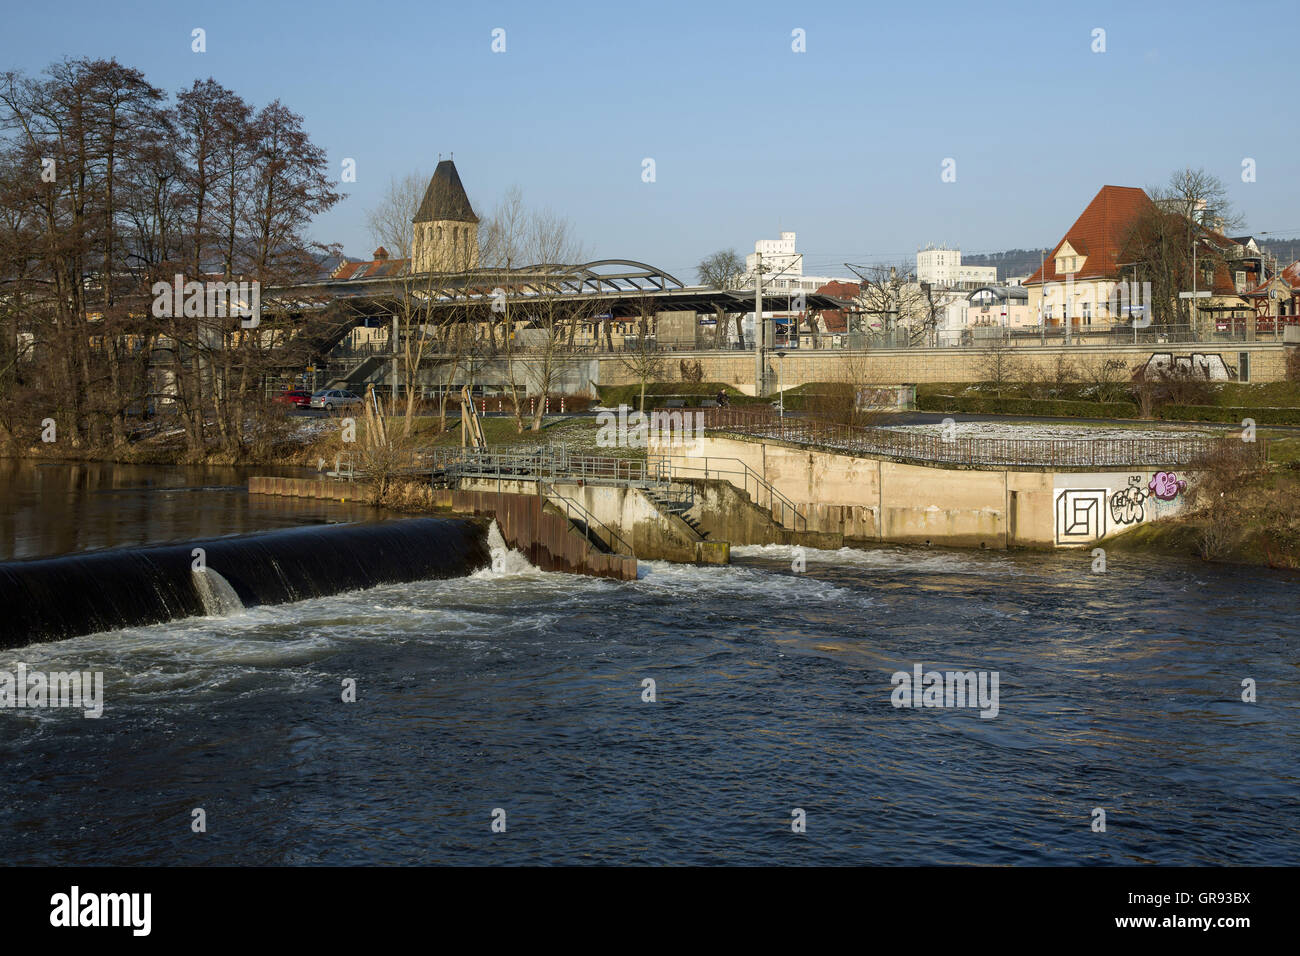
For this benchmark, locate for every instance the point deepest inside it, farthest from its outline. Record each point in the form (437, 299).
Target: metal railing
(1183, 451)
(666, 497)
(556, 463)
(590, 523)
(553, 463)
(783, 510)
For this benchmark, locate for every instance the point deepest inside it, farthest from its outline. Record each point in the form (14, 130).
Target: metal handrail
(553, 463)
(588, 519)
(775, 497)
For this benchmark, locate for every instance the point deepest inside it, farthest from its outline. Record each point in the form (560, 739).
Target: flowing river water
(509, 689)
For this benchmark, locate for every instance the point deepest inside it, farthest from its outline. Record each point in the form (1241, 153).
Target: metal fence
(739, 474)
(1182, 452)
(554, 463)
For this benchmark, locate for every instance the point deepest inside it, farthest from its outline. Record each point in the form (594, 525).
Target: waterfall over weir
(74, 594)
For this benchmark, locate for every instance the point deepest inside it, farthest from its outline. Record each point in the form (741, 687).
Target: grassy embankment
(1271, 403)
(1253, 519)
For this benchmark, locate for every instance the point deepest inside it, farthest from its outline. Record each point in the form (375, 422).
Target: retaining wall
(876, 499)
(548, 540)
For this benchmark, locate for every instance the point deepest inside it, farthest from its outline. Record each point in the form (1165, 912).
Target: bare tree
(999, 367)
(138, 193)
(890, 298)
(724, 269)
(1200, 198)
(644, 360)
(390, 220)
(537, 322)
(1106, 380)
(1183, 227)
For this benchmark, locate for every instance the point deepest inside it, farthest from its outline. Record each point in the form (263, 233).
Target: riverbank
(1260, 527)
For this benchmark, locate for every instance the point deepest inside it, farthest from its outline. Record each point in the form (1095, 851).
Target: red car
(294, 397)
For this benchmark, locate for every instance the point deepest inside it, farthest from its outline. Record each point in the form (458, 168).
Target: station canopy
(618, 287)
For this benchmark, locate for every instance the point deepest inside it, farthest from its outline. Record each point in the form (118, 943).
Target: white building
(783, 267)
(782, 274)
(941, 266)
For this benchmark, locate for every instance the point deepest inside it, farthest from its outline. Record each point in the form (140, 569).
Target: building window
(1087, 313)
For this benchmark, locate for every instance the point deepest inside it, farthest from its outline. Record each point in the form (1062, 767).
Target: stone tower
(446, 229)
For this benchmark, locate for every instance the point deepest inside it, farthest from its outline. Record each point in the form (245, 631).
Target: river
(509, 689)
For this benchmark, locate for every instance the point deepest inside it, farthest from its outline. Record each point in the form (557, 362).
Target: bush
(1232, 415)
(611, 396)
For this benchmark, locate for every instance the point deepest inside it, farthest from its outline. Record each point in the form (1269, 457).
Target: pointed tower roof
(445, 199)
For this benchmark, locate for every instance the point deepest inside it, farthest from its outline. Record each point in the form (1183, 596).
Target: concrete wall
(725, 512)
(651, 534)
(546, 539)
(579, 374)
(1088, 506)
(881, 500)
(899, 366)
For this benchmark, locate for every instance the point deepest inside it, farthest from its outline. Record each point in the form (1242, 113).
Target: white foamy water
(886, 559)
(737, 583)
(218, 597)
(505, 562)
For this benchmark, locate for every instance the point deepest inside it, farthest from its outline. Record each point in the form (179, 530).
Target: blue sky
(843, 143)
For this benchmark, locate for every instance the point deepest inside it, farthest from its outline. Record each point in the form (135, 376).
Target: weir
(550, 539)
(55, 598)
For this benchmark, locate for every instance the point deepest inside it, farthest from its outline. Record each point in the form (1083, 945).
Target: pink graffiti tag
(1166, 485)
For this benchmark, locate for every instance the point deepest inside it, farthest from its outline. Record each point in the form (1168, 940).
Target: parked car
(331, 398)
(294, 397)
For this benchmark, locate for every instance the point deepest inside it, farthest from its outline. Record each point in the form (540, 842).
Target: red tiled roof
(1291, 275)
(1223, 283)
(841, 290)
(835, 320)
(1098, 234)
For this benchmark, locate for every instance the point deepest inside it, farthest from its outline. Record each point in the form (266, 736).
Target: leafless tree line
(107, 187)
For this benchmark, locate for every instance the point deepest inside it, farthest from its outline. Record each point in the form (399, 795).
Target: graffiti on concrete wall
(1082, 514)
(1126, 504)
(1166, 485)
(1205, 365)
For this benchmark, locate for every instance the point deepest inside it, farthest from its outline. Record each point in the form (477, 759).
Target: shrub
(1231, 415)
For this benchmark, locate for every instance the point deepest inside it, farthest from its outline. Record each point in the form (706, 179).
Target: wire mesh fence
(1182, 451)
